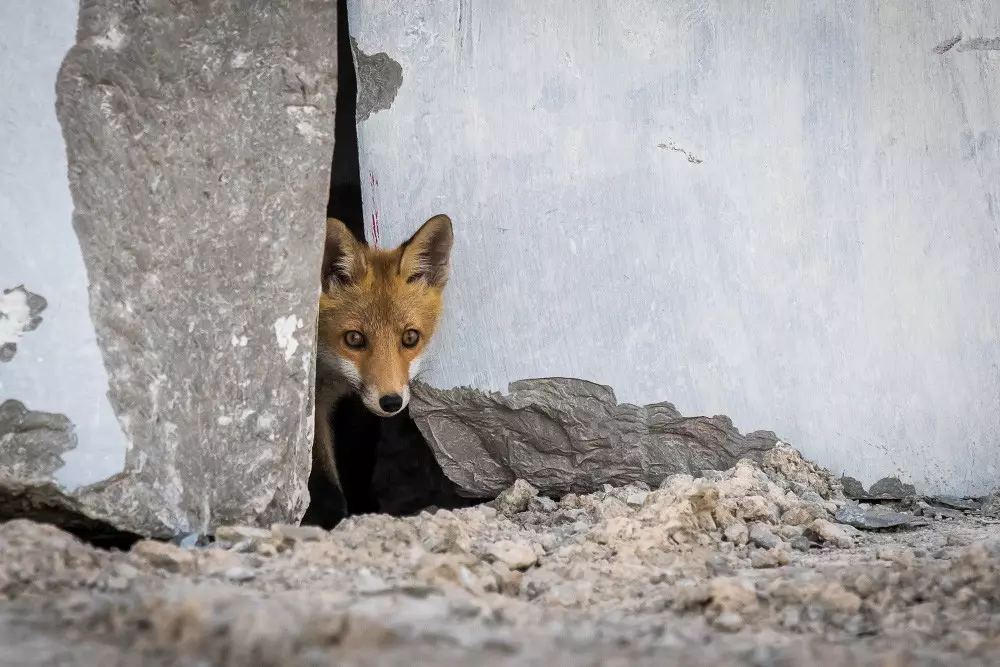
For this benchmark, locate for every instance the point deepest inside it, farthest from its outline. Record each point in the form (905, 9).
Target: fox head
(379, 309)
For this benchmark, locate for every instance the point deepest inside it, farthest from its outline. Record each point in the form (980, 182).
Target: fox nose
(391, 402)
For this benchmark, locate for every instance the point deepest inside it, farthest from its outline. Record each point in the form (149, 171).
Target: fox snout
(385, 403)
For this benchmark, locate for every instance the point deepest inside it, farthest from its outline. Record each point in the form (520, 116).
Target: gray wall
(57, 366)
(787, 213)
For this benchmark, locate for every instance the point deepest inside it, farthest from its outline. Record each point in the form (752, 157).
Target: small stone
(719, 566)
(514, 499)
(290, 533)
(797, 516)
(165, 556)
(239, 574)
(865, 585)
(612, 508)
(762, 537)
(515, 555)
(728, 621)
(789, 532)
(801, 543)
(243, 547)
(266, 549)
(763, 559)
(757, 508)
(897, 555)
(837, 598)
(542, 504)
(636, 498)
(241, 533)
(737, 533)
(731, 594)
(825, 531)
(570, 594)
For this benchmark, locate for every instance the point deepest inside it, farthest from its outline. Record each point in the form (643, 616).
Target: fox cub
(377, 312)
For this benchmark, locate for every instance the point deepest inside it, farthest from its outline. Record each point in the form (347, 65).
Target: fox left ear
(427, 253)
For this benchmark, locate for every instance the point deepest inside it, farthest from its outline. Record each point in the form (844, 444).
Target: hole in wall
(385, 465)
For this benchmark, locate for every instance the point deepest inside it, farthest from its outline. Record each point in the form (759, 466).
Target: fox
(378, 311)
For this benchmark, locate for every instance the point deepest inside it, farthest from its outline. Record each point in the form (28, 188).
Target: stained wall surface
(56, 366)
(787, 213)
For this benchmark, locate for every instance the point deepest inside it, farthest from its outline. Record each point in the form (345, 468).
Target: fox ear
(426, 254)
(343, 258)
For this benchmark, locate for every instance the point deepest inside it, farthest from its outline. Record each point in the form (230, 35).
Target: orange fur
(380, 295)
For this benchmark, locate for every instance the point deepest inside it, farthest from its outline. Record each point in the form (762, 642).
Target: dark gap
(43, 507)
(384, 465)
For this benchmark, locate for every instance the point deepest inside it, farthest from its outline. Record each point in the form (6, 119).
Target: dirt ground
(742, 567)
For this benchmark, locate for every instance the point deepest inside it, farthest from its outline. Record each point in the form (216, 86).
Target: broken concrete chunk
(515, 555)
(873, 518)
(563, 435)
(890, 488)
(514, 499)
(955, 503)
(762, 537)
(32, 443)
(737, 533)
(824, 531)
(198, 139)
(853, 489)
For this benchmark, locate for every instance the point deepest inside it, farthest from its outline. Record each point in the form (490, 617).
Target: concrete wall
(164, 172)
(787, 213)
(57, 367)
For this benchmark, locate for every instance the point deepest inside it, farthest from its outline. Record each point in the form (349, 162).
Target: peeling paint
(379, 79)
(19, 313)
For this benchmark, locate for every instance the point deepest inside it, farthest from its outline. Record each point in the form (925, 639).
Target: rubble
(723, 567)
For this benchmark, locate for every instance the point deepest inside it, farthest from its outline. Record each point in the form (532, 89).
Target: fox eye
(355, 340)
(411, 337)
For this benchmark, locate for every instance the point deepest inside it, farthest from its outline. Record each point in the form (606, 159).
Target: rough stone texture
(32, 443)
(199, 139)
(379, 79)
(566, 435)
(891, 488)
(587, 580)
(873, 518)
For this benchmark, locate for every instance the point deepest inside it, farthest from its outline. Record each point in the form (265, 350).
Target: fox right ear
(343, 258)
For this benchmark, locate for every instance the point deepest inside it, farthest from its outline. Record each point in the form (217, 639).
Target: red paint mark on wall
(375, 211)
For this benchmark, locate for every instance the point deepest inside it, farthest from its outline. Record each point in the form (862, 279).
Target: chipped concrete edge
(379, 79)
